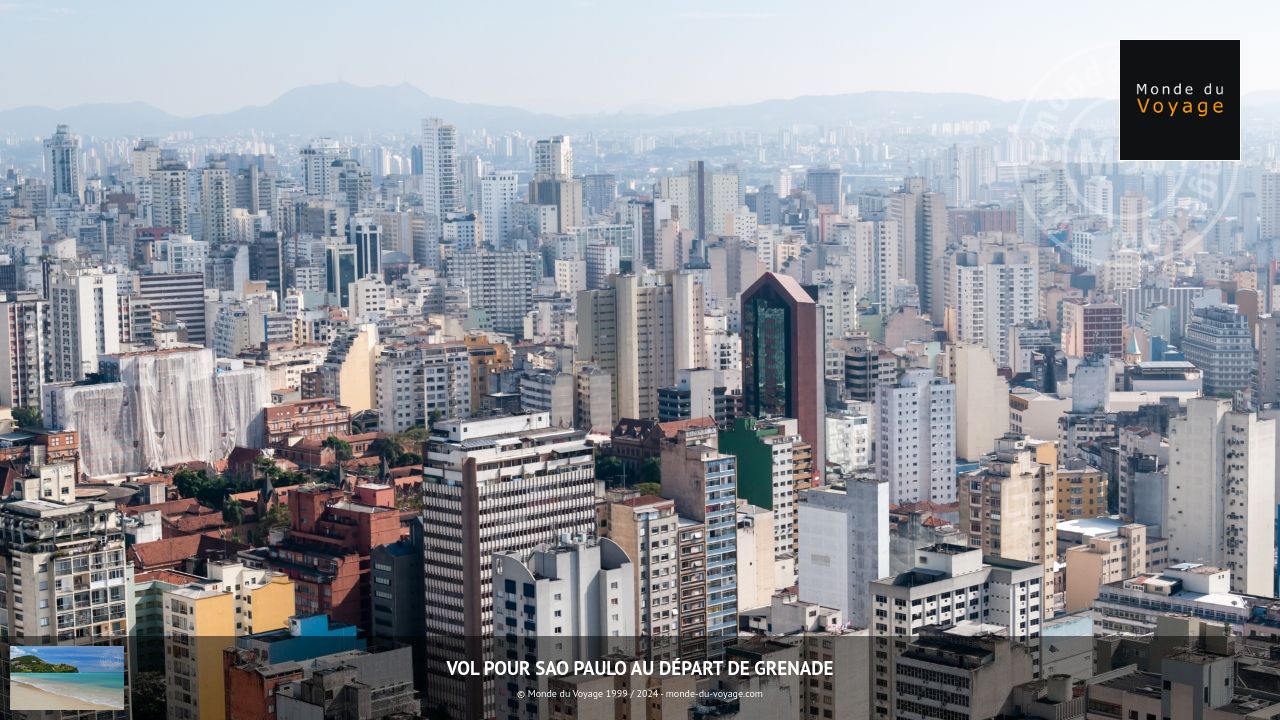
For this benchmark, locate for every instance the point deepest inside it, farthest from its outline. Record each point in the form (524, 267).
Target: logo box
(1179, 99)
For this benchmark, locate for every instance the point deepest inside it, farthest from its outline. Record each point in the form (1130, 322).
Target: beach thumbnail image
(66, 678)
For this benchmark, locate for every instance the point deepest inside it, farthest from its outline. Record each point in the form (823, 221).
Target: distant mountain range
(345, 109)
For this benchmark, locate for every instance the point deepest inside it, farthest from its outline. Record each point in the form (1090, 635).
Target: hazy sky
(575, 56)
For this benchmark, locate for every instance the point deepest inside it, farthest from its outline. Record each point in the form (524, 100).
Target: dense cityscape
(919, 414)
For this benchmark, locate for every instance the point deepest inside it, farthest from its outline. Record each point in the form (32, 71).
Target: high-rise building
(982, 406)
(1221, 506)
(1111, 557)
(993, 287)
(420, 383)
(642, 330)
(824, 184)
(599, 191)
(844, 545)
(647, 527)
(366, 236)
(340, 272)
(772, 463)
(1008, 506)
(916, 450)
(1218, 340)
(84, 321)
(1099, 198)
(500, 484)
(177, 297)
(1269, 207)
(217, 197)
(440, 192)
(948, 585)
(62, 162)
(170, 204)
(583, 588)
(499, 283)
(499, 193)
(553, 158)
(24, 341)
(1266, 388)
(921, 219)
(782, 357)
(317, 160)
(702, 482)
(1092, 328)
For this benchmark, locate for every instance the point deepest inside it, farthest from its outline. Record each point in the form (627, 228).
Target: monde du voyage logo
(1179, 99)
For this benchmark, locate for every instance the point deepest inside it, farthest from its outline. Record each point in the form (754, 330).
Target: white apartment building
(844, 545)
(916, 451)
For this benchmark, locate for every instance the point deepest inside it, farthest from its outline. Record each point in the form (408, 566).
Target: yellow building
(203, 618)
(1082, 493)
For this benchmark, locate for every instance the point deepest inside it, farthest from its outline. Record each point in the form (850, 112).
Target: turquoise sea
(102, 688)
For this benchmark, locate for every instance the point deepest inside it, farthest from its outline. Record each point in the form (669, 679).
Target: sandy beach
(27, 697)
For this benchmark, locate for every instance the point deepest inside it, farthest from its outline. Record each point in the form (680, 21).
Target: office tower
(916, 451)
(1092, 328)
(921, 219)
(500, 284)
(176, 297)
(602, 261)
(84, 321)
(439, 174)
(948, 585)
(1269, 207)
(366, 236)
(1099, 198)
(166, 407)
(340, 272)
(702, 482)
(824, 183)
(982, 406)
(507, 483)
(216, 201)
(24, 349)
(844, 545)
(1008, 506)
(562, 194)
(581, 588)
(1266, 388)
(773, 460)
(499, 193)
(170, 205)
(993, 287)
(317, 160)
(267, 263)
(553, 158)
(1221, 506)
(642, 330)
(1135, 231)
(202, 616)
(782, 357)
(417, 384)
(599, 191)
(1218, 340)
(62, 162)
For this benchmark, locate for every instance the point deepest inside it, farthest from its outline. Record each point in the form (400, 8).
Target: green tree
(609, 469)
(233, 512)
(277, 516)
(648, 488)
(651, 471)
(341, 448)
(28, 417)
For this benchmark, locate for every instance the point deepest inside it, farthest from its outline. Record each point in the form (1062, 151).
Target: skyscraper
(1221, 507)
(500, 484)
(916, 451)
(317, 166)
(439, 173)
(24, 318)
(553, 158)
(922, 230)
(84, 321)
(169, 202)
(642, 330)
(366, 236)
(216, 199)
(992, 288)
(824, 183)
(1219, 342)
(62, 160)
(782, 357)
(498, 195)
(844, 545)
